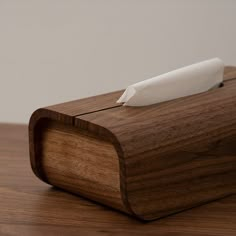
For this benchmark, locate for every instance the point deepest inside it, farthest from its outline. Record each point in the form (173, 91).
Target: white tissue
(189, 80)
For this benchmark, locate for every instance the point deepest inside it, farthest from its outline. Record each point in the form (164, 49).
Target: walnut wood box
(147, 161)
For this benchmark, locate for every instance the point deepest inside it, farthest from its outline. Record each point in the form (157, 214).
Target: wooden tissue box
(149, 161)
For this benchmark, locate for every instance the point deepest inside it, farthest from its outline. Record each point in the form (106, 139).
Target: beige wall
(57, 50)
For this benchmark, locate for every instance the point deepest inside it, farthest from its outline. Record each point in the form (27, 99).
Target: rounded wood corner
(37, 119)
(111, 137)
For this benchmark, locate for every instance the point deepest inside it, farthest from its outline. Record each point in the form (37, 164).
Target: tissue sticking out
(189, 80)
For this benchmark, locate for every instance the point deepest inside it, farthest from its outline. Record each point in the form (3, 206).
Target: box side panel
(80, 163)
(177, 154)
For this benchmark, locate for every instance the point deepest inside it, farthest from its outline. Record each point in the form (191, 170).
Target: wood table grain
(31, 207)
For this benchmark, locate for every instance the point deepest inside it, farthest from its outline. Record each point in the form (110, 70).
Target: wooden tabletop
(31, 207)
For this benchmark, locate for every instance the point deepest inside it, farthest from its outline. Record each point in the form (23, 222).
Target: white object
(189, 80)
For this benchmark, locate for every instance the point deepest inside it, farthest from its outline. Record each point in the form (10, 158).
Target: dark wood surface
(65, 113)
(80, 163)
(31, 207)
(176, 154)
(172, 156)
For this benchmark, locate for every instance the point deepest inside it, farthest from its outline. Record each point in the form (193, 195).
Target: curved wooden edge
(103, 132)
(42, 115)
(65, 113)
(36, 119)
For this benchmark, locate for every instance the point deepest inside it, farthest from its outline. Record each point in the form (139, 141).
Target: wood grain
(81, 163)
(229, 72)
(65, 113)
(172, 156)
(31, 207)
(176, 154)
